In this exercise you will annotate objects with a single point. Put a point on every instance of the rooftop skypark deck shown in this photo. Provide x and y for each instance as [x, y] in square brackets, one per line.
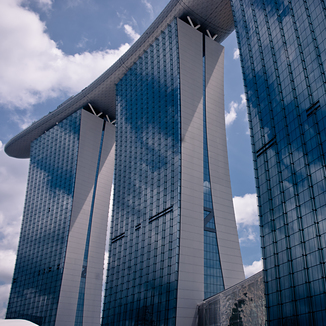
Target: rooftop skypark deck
[215, 19]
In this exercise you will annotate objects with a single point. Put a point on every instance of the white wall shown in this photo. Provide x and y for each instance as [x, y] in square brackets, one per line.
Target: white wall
[191, 261]
[88, 153]
[227, 234]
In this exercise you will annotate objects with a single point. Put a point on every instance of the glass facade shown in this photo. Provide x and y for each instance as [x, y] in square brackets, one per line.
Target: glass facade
[142, 277]
[42, 246]
[141, 286]
[283, 57]
[213, 278]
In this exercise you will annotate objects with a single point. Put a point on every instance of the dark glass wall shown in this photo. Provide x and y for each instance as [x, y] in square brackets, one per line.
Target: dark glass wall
[283, 56]
[141, 285]
[42, 245]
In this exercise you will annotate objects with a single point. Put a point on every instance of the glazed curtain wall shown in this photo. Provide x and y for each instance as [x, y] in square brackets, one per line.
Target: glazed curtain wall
[43, 239]
[283, 57]
[141, 286]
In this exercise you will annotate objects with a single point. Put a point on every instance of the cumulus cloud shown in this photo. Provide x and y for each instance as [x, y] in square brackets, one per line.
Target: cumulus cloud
[33, 68]
[236, 54]
[234, 107]
[232, 114]
[254, 268]
[246, 210]
[131, 33]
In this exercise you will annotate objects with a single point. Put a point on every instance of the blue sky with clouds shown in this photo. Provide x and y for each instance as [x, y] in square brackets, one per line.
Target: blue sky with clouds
[52, 49]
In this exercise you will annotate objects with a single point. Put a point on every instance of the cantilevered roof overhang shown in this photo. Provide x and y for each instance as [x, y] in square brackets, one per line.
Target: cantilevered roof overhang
[213, 15]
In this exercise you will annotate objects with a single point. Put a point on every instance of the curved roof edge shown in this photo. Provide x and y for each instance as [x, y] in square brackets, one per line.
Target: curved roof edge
[214, 15]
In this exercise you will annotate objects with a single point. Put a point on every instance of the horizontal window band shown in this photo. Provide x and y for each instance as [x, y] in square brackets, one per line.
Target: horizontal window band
[118, 237]
[158, 215]
[208, 218]
[266, 147]
[312, 109]
[206, 228]
[138, 226]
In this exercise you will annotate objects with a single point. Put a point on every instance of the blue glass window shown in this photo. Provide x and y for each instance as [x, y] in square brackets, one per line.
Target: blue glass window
[282, 50]
[45, 226]
[141, 285]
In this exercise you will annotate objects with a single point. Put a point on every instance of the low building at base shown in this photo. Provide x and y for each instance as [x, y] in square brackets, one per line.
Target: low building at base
[241, 305]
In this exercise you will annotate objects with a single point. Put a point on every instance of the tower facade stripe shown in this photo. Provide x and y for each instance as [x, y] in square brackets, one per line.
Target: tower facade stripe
[191, 261]
[227, 235]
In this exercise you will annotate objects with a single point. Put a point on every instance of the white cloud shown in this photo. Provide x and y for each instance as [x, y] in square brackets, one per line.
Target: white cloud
[9, 230]
[232, 114]
[4, 294]
[247, 235]
[23, 118]
[234, 108]
[130, 32]
[13, 176]
[149, 7]
[246, 210]
[236, 54]
[254, 268]
[82, 43]
[7, 258]
[243, 100]
[45, 3]
[33, 69]
[73, 3]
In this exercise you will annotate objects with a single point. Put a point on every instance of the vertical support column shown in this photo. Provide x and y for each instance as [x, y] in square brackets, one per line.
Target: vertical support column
[88, 154]
[191, 262]
[227, 235]
[93, 288]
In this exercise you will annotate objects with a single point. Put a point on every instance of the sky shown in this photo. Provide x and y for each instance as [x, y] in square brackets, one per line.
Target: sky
[52, 49]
